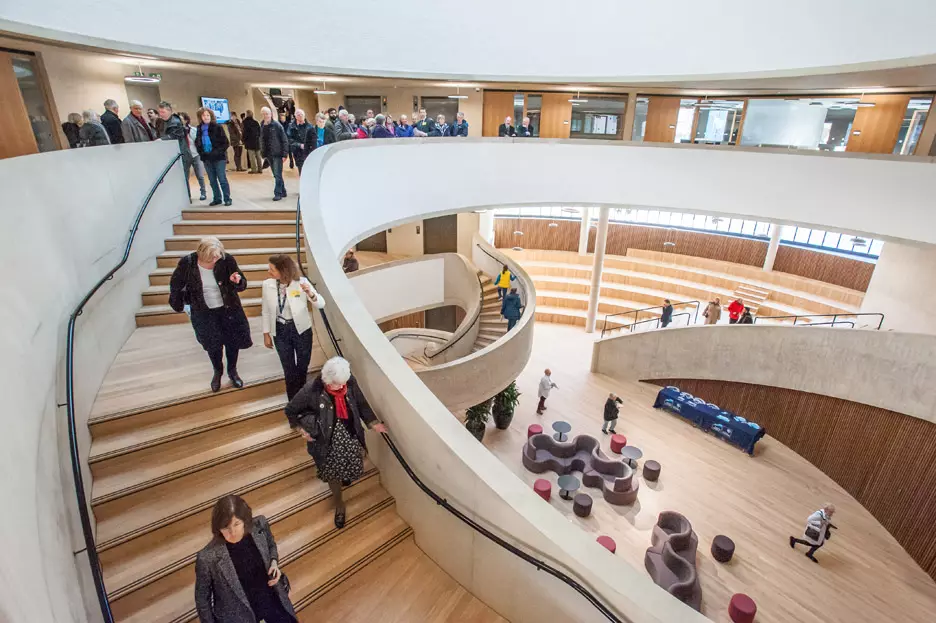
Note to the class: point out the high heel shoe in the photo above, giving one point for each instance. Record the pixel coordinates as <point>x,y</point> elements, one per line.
<point>235,379</point>
<point>216,381</point>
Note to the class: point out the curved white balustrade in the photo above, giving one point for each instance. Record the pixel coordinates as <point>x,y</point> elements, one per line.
<point>491,40</point>
<point>886,369</point>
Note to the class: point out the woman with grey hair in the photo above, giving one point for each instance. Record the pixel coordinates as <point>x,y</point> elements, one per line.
<point>330,414</point>
<point>818,530</point>
<point>92,132</point>
<point>379,129</point>
<point>72,130</point>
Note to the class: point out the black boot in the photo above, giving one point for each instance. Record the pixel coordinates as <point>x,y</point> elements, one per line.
<point>340,518</point>
<point>235,379</point>
<point>216,381</point>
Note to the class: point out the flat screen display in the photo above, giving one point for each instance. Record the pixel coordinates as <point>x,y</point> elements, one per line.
<point>219,105</point>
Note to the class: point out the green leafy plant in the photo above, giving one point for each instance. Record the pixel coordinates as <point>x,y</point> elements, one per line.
<point>476,418</point>
<point>504,405</point>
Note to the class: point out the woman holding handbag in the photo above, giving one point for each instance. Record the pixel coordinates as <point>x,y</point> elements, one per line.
<point>330,413</point>
<point>818,530</point>
<point>287,323</point>
<point>237,575</point>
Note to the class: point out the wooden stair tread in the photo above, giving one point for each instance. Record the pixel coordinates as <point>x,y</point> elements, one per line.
<point>240,222</point>
<point>163,270</point>
<point>164,289</point>
<point>132,472</point>
<point>155,506</point>
<point>153,310</point>
<point>251,251</point>
<point>144,560</point>
<point>171,599</point>
<point>581,313</point>
<point>226,237</point>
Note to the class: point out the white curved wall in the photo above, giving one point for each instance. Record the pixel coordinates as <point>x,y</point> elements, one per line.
<point>490,39</point>
<point>65,215</point>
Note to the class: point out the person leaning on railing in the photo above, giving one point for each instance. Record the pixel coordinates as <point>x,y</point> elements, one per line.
<point>207,282</point>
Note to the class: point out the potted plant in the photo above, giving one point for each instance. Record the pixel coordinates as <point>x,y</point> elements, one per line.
<point>476,418</point>
<point>504,404</point>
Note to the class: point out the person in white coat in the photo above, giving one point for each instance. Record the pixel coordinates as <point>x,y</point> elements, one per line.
<point>287,323</point>
<point>818,527</point>
<point>545,386</point>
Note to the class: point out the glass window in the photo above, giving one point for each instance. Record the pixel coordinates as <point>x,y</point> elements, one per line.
<point>912,125</point>
<point>876,246</point>
<point>27,77</point>
<point>762,229</point>
<point>801,234</point>
<point>799,123</point>
<point>534,107</point>
<point>831,240</point>
<point>598,117</point>
<point>684,121</point>
<point>518,109</point>
<point>735,225</point>
<point>816,236</point>
<point>640,119</point>
<point>719,121</point>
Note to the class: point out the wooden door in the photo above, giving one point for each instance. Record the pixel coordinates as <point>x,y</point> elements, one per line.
<point>662,114</point>
<point>556,116</point>
<point>497,105</point>
<point>440,234</point>
<point>376,243</point>
<point>16,135</point>
<point>879,126</point>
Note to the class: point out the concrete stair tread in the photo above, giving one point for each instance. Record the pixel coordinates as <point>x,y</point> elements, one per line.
<point>244,267</point>
<point>138,470</point>
<point>492,335</point>
<point>259,250</point>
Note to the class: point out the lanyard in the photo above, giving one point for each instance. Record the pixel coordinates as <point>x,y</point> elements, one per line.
<point>281,297</point>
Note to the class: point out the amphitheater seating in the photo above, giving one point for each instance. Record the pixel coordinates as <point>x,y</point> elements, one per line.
<point>644,279</point>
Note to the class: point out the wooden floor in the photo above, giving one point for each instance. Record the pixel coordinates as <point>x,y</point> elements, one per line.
<point>863,575</point>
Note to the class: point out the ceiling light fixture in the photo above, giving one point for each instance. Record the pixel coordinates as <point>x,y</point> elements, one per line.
<point>577,99</point>
<point>458,95</point>
<point>324,90</point>
<point>138,77</point>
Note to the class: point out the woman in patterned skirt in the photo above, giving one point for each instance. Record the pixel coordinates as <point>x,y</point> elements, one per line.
<point>330,413</point>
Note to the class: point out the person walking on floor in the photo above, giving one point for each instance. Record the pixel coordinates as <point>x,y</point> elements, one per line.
<point>275,148</point>
<point>512,308</point>
<point>667,316</point>
<point>237,575</point>
<point>287,323</point>
<point>818,530</point>
<point>746,317</point>
<point>330,414</point>
<point>302,138</point>
<point>545,386</point>
<point>611,413</point>
<point>136,127</point>
<point>111,122</point>
<point>236,132</point>
<point>193,160</point>
<point>502,281</point>
<point>252,142</point>
<point>206,283</point>
<point>735,309</point>
<point>712,312</point>
<point>212,147</point>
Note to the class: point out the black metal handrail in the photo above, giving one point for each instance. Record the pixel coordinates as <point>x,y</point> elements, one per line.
<point>539,564</point>
<point>605,328</point>
<point>523,299</point>
<point>477,318</point>
<point>421,336</point>
<point>90,545</point>
<point>656,320</point>
<point>834,317</point>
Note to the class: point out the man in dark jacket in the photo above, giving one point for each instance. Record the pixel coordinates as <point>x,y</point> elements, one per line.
<point>506,129</point>
<point>380,128</point>
<point>252,142</point>
<point>512,308</point>
<point>403,128</point>
<point>236,131</point>
<point>611,413</point>
<point>302,138</point>
<point>344,130</point>
<point>525,129</point>
<point>441,128</point>
<point>460,127</point>
<point>275,148</point>
<point>424,126</point>
<point>111,122</point>
<point>667,316</point>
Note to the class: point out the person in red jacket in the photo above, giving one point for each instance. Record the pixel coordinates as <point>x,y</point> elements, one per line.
<point>734,311</point>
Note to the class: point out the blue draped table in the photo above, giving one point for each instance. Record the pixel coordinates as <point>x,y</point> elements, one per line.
<point>732,428</point>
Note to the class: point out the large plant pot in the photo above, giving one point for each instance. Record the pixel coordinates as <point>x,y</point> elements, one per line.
<point>476,429</point>
<point>502,419</point>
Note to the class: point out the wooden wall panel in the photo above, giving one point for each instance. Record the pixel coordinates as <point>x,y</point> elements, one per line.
<point>842,271</point>
<point>416,320</point>
<point>879,126</point>
<point>826,267</point>
<point>16,135</point>
<point>497,105</point>
<point>886,460</point>
<point>662,113</point>
<point>556,116</point>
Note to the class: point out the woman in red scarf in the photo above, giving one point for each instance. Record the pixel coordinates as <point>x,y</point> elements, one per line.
<point>330,413</point>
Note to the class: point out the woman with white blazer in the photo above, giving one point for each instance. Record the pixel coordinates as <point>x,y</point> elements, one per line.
<point>287,322</point>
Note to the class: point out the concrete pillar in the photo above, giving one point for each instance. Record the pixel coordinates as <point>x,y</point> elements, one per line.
<point>583,232</point>
<point>772,247</point>
<point>630,111</point>
<point>901,289</point>
<point>486,226</point>
<point>603,216</point>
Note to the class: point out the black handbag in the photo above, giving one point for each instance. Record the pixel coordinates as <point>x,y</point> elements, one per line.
<point>812,533</point>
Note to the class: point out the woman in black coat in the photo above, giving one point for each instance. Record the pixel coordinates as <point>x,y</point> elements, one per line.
<point>212,145</point>
<point>330,413</point>
<point>208,281</point>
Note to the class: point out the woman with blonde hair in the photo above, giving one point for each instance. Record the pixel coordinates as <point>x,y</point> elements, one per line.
<point>207,282</point>
<point>287,323</point>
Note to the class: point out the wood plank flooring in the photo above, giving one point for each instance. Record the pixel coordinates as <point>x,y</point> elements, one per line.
<point>863,575</point>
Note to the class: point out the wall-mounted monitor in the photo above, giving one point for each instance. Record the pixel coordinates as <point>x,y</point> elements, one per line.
<point>222,111</point>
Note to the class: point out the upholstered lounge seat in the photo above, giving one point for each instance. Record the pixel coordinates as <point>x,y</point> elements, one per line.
<point>671,561</point>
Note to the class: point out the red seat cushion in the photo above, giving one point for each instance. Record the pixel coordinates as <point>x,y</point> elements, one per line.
<point>608,543</point>
<point>543,488</point>
<point>534,429</point>
<point>742,608</point>
<point>618,442</point>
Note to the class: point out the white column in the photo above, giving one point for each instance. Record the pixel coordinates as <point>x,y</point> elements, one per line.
<point>775,229</point>
<point>603,215</point>
<point>486,226</point>
<point>583,232</point>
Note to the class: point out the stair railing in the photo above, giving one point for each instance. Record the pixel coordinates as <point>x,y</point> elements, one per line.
<point>605,328</point>
<point>835,319</point>
<point>540,565</point>
<point>657,321</point>
<point>476,317</point>
<point>84,513</point>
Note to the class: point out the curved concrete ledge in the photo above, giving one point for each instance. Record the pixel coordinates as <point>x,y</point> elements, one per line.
<point>890,370</point>
<point>439,448</point>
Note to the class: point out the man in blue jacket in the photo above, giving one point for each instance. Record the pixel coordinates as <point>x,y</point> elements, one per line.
<point>512,308</point>
<point>403,128</point>
<point>460,127</point>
